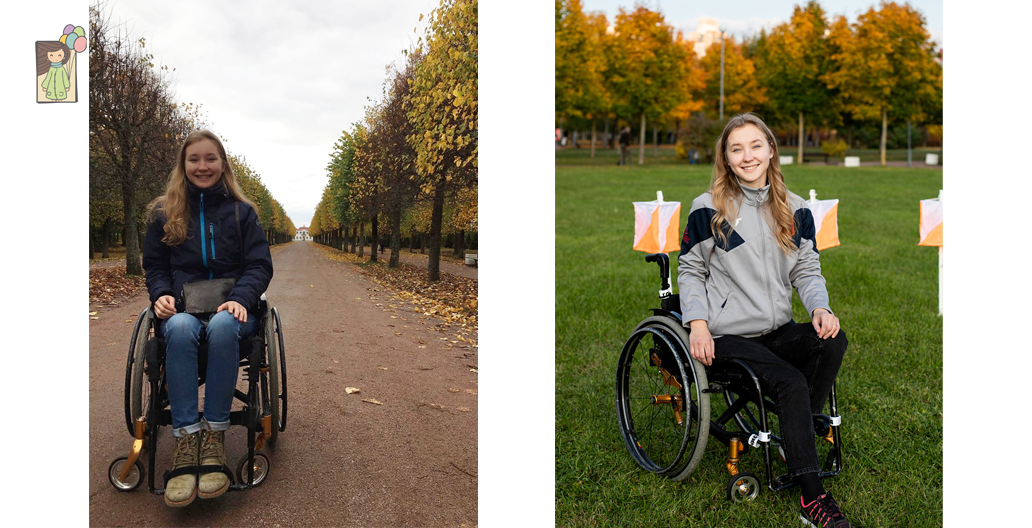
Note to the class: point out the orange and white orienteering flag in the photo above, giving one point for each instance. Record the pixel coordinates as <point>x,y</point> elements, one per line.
<point>931,222</point>
<point>656,225</point>
<point>825,223</point>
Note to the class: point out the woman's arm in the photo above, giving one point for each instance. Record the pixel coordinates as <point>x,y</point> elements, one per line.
<point>156,262</point>
<point>692,272</point>
<point>257,261</point>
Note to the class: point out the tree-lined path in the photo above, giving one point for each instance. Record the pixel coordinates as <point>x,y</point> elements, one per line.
<point>409,460</point>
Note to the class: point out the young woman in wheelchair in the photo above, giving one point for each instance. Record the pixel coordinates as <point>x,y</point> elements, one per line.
<point>747,243</point>
<point>203,228</point>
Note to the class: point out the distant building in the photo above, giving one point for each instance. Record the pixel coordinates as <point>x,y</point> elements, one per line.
<point>302,234</point>
<point>706,34</point>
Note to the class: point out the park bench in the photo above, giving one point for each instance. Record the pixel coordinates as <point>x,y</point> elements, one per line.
<point>471,259</point>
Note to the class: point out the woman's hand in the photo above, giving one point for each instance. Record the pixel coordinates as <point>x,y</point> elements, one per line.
<point>165,306</point>
<point>825,323</point>
<point>236,309</point>
<point>700,342</point>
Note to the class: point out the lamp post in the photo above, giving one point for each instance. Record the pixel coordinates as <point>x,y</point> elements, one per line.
<point>721,74</point>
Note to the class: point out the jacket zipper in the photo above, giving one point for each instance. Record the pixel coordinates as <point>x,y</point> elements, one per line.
<point>766,269</point>
<point>204,243</point>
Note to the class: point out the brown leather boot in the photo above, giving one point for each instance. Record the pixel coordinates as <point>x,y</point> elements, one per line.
<point>182,490</point>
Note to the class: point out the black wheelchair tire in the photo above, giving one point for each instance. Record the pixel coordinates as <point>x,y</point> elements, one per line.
<point>665,332</point>
<point>135,404</point>
<point>277,373</point>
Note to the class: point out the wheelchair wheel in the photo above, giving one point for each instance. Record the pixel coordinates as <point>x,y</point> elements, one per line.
<point>132,481</point>
<point>661,410</point>
<point>277,373</point>
<point>137,390</point>
<point>743,487</point>
<point>748,418</point>
<point>261,469</point>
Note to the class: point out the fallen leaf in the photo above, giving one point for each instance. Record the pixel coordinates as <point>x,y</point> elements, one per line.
<point>371,400</point>
<point>453,390</point>
<point>382,368</point>
<point>473,370</point>
<point>351,390</point>
<point>463,409</point>
<point>93,313</point>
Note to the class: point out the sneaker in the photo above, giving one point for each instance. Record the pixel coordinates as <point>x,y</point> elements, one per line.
<point>182,490</point>
<point>823,512</point>
<point>213,453</point>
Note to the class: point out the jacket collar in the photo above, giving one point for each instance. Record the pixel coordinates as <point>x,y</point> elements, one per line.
<point>194,192</point>
<point>755,196</point>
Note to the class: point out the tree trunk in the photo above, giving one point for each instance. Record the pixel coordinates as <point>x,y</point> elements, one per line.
<point>436,219</point>
<point>374,237</point>
<point>592,138</point>
<point>105,235</point>
<point>884,133</point>
<point>395,238</point>
<point>655,141</point>
<point>605,136</point>
<point>802,140</point>
<point>361,239</point>
<point>130,231</point>
<point>91,237</point>
<point>641,141</point>
<point>460,241</point>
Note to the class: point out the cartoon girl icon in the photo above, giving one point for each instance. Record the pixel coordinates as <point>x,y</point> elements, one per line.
<point>50,60</point>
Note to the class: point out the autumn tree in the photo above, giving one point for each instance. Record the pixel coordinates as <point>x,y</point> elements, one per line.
<point>646,66</point>
<point>442,107</point>
<point>742,91</point>
<point>795,60</point>
<point>580,94</point>
<point>133,120</point>
<point>885,67</point>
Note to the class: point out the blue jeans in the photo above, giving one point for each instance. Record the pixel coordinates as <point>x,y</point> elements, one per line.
<point>797,369</point>
<point>182,334</point>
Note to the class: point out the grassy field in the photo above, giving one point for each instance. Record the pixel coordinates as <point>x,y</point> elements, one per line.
<point>883,287</point>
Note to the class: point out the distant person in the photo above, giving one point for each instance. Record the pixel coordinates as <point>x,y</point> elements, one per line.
<point>748,242</point>
<point>203,228</point>
<point>625,144</point>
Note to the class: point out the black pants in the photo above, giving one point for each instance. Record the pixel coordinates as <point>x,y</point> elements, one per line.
<point>797,369</point>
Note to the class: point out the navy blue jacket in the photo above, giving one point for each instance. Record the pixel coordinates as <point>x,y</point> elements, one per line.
<point>212,250</point>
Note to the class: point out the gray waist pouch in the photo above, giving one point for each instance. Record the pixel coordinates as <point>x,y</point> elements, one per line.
<point>206,296</point>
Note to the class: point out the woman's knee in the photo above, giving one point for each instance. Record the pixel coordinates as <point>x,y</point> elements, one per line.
<point>223,324</point>
<point>182,325</point>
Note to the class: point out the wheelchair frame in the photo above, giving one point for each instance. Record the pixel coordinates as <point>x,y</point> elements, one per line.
<point>147,405</point>
<point>674,390</point>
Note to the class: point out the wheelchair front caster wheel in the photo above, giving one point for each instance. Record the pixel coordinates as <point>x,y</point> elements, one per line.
<point>132,481</point>
<point>743,487</point>
<point>261,469</point>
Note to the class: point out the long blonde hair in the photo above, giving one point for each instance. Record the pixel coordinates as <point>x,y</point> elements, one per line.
<point>727,194</point>
<point>174,205</point>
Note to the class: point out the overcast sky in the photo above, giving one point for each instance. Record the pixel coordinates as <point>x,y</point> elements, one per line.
<point>747,17</point>
<point>280,81</point>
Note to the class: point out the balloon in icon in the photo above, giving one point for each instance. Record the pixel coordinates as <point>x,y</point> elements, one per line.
<point>68,29</point>
<point>70,40</point>
<point>80,44</point>
<point>79,31</point>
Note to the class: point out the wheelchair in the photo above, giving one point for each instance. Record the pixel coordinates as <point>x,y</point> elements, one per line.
<point>147,410</point>
<point>663,405</point>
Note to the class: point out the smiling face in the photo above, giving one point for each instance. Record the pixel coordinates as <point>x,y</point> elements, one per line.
<point>203,164</point>
<point>56,56</point>
<point>749,154</point>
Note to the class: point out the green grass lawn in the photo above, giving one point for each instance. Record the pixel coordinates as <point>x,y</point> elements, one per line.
<point>883,287</point>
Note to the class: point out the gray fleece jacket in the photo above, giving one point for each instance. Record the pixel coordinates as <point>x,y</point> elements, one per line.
<point>744,287</point>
